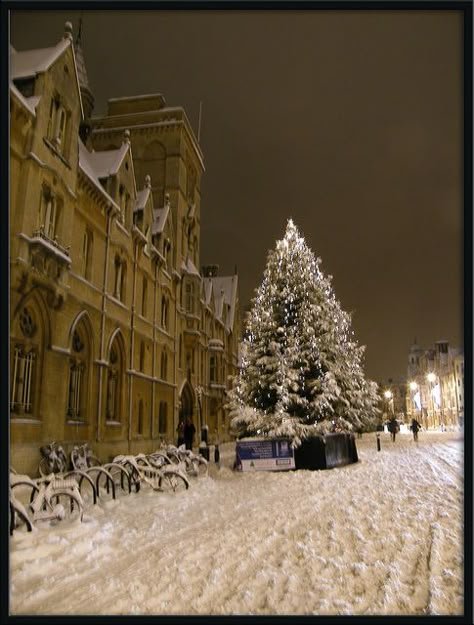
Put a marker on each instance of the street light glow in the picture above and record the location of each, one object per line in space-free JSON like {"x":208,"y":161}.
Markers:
{"x":431,"y":377}
{"x":388,"y":394}
{"x":413,"y":386}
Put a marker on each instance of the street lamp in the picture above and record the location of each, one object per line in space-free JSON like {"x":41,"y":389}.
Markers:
{"x":388,"y":396}
{"x":414,"y":387}
{"x":431,"y":377}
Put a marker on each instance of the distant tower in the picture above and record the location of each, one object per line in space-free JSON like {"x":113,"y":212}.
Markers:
{"x":86,"y":93}
{"x":414,"y":360}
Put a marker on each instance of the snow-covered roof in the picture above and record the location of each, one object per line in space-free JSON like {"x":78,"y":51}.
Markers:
{"x":32,"y":62}
{"x":88,"y":167}
{"x":160,"y":215}
{"x":189,"y":267}
{"x":107,"y":163}
{"x":224,"y":289}
{"x":206,"y":291}
{"x":29,"y":103}
{"x":142,"y":198}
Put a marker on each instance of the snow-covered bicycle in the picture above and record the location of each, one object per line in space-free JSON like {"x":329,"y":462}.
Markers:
{"x":51,"y":498}
{"x":193,"y":464}
{"x":142,"y":470}
{"x":53,"y":459}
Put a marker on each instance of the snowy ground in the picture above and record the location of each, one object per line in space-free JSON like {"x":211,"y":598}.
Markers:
{"x":383,"y":536}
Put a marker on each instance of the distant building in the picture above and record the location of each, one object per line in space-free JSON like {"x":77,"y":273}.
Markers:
{"x":393,"y":399}
{"x":435,"y":385}
{"x":115,"y":333}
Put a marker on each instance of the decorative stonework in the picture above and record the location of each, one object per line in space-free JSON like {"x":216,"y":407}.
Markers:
{"x":27,"y":324}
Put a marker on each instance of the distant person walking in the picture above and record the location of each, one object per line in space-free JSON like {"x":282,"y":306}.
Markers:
{"x":189,"y":431}
{"x":415,"y":427}
{"x":393,"y":428}
{"x":180,"y":432}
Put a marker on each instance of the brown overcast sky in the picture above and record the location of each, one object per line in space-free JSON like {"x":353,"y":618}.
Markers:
{"x":348,"y":122}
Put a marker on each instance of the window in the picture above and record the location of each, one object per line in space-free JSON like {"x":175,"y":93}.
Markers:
{"x":189,"y":297}
{"x":142,"y":356}
{"x":167,"y":253}
{"x":163,"y":418}
{"x":87,"y":254}
{"x":25,"y":352}
{"x":180,"y":352}
{"x":196,"y":251}
{"x":144,"y":296}
{"x":119,"y":281}
{"x":213,"y":369}
{"x":58,"y":124}
{"x":124,"y":201}
{"x":183,"y":238}
{"x":23,"y":377}
{"x":164,"y":364}
{"x":140,"y":417}
{"x":114,"y":383}
{"x":164,"y":312}
{"x":77,"y":386}
{"x":49,"y":213}
{"x":190,"y":181}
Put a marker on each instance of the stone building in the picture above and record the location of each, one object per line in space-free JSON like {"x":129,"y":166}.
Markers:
{"x":115,"y":333}
{"x":435,"y":385}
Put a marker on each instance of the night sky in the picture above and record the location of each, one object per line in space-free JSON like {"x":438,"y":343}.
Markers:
{"x":348,"y":122}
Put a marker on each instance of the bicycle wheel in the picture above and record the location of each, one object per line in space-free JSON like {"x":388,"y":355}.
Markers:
{"x":201,"y":466}
{"x":173,"y":481}
{"x":66,"y":505}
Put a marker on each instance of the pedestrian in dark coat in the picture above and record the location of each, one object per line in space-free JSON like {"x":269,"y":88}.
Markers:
{"x":415,"y":427}
{"x":393,"y":428}
{"x":189,"y":431}
{"x":180,"y":432}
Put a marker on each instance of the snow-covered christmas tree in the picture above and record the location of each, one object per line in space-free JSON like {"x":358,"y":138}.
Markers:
{"x":301,"y":371}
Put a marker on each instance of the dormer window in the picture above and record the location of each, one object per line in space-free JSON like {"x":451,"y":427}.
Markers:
{"x":49,"y":213}
{"x":119,"y":279}
{"x":58,"y":125}
{"x":124,"y":199}
{"x":189,"y":300}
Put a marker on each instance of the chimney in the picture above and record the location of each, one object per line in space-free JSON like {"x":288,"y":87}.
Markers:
{"x":210,"y":271}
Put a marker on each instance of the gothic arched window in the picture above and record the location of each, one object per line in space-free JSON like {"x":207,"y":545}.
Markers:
{"x":78,"y":374}
{"x":114,"y":383}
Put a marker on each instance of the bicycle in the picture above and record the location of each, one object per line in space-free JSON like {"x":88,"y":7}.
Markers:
{"x":52,"y":498}
{"x":53,"y":461}
{"x":159,"y":478}
{"x":82,"y":457}
{"x":193,"y":464}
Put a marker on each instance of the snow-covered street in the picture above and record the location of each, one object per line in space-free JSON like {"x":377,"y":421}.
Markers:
{"x":383,"y":536}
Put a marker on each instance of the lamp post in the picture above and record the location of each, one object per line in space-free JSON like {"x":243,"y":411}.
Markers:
{"x":414,"y":388}
{"x":431,"y":377}
{"x":389,"y":397}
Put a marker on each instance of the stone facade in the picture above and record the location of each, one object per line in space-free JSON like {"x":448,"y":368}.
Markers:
{"x":435,"y":386}
{"x":115,"y":333}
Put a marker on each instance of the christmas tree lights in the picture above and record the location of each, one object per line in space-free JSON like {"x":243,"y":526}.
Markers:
{"x":301,"y":370}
